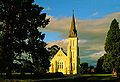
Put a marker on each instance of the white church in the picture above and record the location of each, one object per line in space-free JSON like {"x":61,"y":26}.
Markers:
{"x":67,"y":63}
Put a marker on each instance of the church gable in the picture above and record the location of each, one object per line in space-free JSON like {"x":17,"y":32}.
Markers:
{"x":60,"y":54}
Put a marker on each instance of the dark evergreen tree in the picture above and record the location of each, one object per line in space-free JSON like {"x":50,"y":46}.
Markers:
{"x":21,"y":19}
{"x":112,"y":57}
{"x":99,"y":67}
{"x":113,"y":39}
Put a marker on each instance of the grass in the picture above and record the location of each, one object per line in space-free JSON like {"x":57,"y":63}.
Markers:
{"x":99,"y":77}
{"x":104,"y":75}
{"x":81,"y":78}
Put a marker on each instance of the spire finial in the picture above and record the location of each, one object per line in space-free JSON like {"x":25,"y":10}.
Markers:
{"x":73,"y":12}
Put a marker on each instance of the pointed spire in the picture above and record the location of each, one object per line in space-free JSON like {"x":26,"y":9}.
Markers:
{"x":73,"y":31}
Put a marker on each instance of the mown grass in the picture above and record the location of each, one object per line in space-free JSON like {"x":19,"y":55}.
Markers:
{"x":104,"y":75}
{"x":75,"y":78}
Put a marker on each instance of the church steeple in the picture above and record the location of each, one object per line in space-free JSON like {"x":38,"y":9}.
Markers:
{"x":73,"y":31}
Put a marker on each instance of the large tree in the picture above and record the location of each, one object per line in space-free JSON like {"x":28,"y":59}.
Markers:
{"x":113,"y":39}
{"x":112,"y":48}
{"x":111,"y":59}
{"x":21,"y":19}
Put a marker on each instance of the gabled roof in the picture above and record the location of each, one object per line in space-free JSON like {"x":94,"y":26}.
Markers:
{"x":60,"y":53}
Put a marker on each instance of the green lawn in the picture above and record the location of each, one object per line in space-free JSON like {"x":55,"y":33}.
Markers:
{"x":75,"y":78}
{"x":96,"y":75}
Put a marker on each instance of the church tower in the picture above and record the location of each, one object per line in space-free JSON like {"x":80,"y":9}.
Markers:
{"x":67,"y":63}
{"x":73,"y":49}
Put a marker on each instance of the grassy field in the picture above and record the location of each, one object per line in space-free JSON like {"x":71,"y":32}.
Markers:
{"x":96,"y":75}
{"x":75,"y":78}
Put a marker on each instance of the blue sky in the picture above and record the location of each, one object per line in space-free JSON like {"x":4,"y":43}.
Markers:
{"x":93,"y":18}
{"x":84,"y":9}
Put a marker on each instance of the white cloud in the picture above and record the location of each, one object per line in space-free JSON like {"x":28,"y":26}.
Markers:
{"x":97,"y":55}
{"x":48,"y":9}
{"x":60,"y":43}
{"x":82,"y":41}
{"x":95,"y":13}
{"x":92,"y":33}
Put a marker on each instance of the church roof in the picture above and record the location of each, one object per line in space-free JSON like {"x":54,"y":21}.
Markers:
{"x":73,"y":31}
{"x":59,"y":54}
{"x":60,"y":50}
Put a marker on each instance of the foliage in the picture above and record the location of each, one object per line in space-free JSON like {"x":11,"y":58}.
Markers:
{"x":113,"y":39}
{"x":111,"y":62}
{"x":99,"y":67}
{"x":111,"y":59}
{"x":53,"y":50}
{"x":21,"y":20}
{"x":108,"y":63}
{"x":112,"y":48}
{"x":84,"y":67}
{"x":40,"y":57}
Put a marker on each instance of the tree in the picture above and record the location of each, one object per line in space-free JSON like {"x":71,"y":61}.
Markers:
{"x":112,"y":57}
{"x":53,"y":50}
{"x":113,"y":39}
{"x":21,"y":19}
{"x":40,"y":56}
{"x":99,"y":67}
{"x":84,"y":67}
{"x":111,"y":62}
{"x":108,"y":63}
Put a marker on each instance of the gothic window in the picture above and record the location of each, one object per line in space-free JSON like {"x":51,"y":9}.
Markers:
{"x":60,"y":65}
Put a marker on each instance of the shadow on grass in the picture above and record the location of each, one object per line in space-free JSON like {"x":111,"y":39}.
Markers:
{"x":59,"y":77}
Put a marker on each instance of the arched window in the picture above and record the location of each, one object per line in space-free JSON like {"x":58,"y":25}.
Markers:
{"x":60,"y":65}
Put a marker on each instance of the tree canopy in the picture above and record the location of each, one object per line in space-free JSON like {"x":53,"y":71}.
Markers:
{"x":113,"y":39}
{"x":21,"y":21}
{"x":111,"y":59}
{"x":53,"y":50}
{"x":84,"y":67}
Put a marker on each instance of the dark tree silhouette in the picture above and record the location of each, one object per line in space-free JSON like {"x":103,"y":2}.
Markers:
{"x":53,"y":50}
{"x":111,"y":59}
{"x":84,"y":67}
{"x":99,"y":67}
{"x":113,"y":39}
{"x":21,"y":20}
